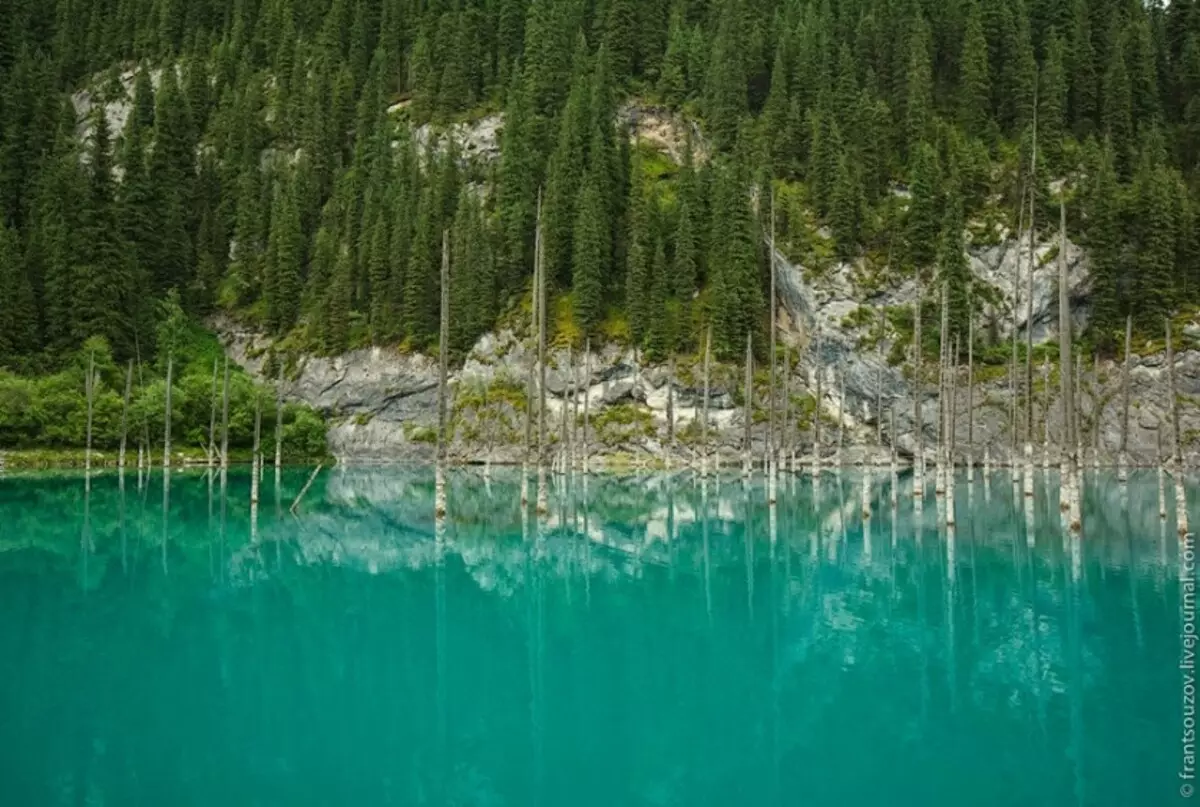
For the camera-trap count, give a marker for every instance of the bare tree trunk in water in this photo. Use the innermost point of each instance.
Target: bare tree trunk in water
(1123, 454)
(748, 392)
(439, 505)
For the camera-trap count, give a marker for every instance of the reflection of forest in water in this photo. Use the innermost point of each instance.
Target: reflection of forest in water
(655, 639)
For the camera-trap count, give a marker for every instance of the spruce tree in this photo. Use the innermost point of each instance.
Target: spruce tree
(336, 309)
(925, 209)
(1052, 103)
(102, 291)
(975, 91)
(846, 210)
(18, 315)
(591, 247)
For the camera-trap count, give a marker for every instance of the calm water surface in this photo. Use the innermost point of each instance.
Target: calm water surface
(655, 641)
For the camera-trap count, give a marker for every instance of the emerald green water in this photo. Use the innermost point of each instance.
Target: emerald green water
(655, 641)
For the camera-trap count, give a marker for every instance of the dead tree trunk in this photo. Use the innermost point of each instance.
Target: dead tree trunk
(748, 393)
(279, 423)
(167, 414)
(879, 378)
(786, 437)
(770, 443)
(704, 410)
(543, 505)
(225, 418)
(671, 404)
(1123, 455)
(443, 378)
(125, 414)
(918, 396)
(1029, 299)
(971, 394)
(820, 373)
(587, 380)
(89, 388)
(1012, 370)
(211, 454)
(256, 453)
(953, 405)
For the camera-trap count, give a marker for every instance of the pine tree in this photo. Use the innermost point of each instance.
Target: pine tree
(1118, 110)
(336, 308)
(621, 36)
(379, 275)
(846, 210)
(1052, 103)
(953, 269)
(1156, 238)
(420, 280)
(918, 102)
(975, 91)
(102, 292)
(673, 78)
(725, 96)
(566, 169)
(925, 209)
(659, 337)
(591, 247)
(1084, 90)
(18, 315)
(284, 256)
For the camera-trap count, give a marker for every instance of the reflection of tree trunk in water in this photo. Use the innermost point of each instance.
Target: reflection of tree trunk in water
(440, 676)
(707, 558)
(121, 517)
(224, 507)
(749, 542)
(536, 661)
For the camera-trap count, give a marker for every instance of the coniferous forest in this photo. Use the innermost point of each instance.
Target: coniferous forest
(263, 162)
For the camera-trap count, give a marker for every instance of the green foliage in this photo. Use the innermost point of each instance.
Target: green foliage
(50, 412)
(269, 165)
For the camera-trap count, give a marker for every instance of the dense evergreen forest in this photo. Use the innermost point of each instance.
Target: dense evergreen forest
(268, 167)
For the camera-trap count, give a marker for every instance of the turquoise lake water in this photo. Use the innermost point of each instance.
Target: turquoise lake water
(655, 641)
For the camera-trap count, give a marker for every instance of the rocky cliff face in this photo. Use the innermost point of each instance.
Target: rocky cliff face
(382, 403)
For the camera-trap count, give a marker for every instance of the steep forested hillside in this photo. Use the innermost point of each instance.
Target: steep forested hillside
(263, 161)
